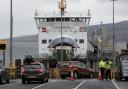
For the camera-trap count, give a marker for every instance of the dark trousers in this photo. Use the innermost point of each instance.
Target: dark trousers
(108, 74)
(102, 70)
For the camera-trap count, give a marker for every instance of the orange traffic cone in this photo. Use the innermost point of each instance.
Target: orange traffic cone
(99, 76)
(71, 77)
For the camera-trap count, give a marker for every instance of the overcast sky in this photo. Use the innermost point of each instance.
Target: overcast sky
(23, 13)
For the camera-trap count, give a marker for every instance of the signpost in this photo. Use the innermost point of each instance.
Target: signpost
(3, 46)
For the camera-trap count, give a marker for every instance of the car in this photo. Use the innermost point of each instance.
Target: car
(79, 69)
(4, 75)
(34, 72)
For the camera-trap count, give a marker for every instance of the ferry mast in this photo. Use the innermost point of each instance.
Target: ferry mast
(62, 7)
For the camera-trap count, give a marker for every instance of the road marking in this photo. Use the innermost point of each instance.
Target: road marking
(115, 84)
(9, 84)
(42, 85)
(80, 84)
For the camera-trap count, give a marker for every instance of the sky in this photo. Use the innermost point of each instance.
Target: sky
(23, 13)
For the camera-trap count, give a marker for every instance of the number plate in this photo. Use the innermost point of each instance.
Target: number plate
(31, 76)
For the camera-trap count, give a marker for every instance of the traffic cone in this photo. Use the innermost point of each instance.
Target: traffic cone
(71, 77)
(99, 76)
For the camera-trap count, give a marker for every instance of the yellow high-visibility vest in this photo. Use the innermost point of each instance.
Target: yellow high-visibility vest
(102, 64)
(108, 66)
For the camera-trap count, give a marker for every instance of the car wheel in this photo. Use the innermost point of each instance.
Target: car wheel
(1, 79)
(46, 80)
(23, 81)
(42, 81)
(63, 76)
(28, 81)
(7, 81)
(126, 78)
(75, 74)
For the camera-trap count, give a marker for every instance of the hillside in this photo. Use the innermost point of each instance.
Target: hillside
(121, 30)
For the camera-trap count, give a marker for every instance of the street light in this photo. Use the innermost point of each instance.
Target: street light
(113, 27)
(11, 34)
(61, 38)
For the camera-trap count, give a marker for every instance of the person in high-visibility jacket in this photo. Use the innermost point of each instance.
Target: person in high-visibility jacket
(102, 64)
(108, 67)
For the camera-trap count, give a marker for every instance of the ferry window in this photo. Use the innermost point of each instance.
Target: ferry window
(67, 19)
(77, 19)
(50, 40)
(44, 41)
(48, 19)
(52, 19)
(41, 20)
(73, 19)
(58, 19)
(81, 41)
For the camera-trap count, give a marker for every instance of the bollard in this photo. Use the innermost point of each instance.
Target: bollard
(72, 74)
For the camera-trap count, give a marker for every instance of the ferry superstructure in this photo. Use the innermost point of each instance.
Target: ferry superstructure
(74, 34)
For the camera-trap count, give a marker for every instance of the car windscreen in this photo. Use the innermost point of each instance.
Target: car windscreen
(32, 66)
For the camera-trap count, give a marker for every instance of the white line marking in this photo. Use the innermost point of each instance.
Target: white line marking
(80, 84)
(9, 84)
(42, 85)
(115, 84)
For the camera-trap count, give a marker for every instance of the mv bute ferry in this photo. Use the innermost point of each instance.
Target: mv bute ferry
(66, 32)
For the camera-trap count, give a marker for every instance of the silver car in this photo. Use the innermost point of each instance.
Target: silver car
(4, 75)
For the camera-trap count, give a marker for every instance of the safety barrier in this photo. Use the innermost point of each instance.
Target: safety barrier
(54, 73)
(12, 72)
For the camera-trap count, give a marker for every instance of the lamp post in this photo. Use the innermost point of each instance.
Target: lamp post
(61, 38)
(113, 28)
(101, 44)
(11, 34)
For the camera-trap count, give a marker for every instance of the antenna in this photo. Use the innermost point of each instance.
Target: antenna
(89, 14)
(36, 13)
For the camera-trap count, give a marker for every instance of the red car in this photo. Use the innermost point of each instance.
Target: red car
(79, 69)
(34, 72)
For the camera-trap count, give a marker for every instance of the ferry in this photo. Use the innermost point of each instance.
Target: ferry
(67, 32)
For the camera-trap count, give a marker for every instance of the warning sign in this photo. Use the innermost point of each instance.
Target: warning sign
(3, 44)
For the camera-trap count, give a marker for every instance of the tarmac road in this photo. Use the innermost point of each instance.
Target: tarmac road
(67, 84)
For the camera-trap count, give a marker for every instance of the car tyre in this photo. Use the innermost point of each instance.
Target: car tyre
(23, 81)
(63, 76)
(46, 80)
(1, 79)
(7, 81)
(42, 81)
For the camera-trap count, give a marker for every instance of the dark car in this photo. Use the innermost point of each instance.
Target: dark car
(79, 69)
(4, 75)
(34, 72)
